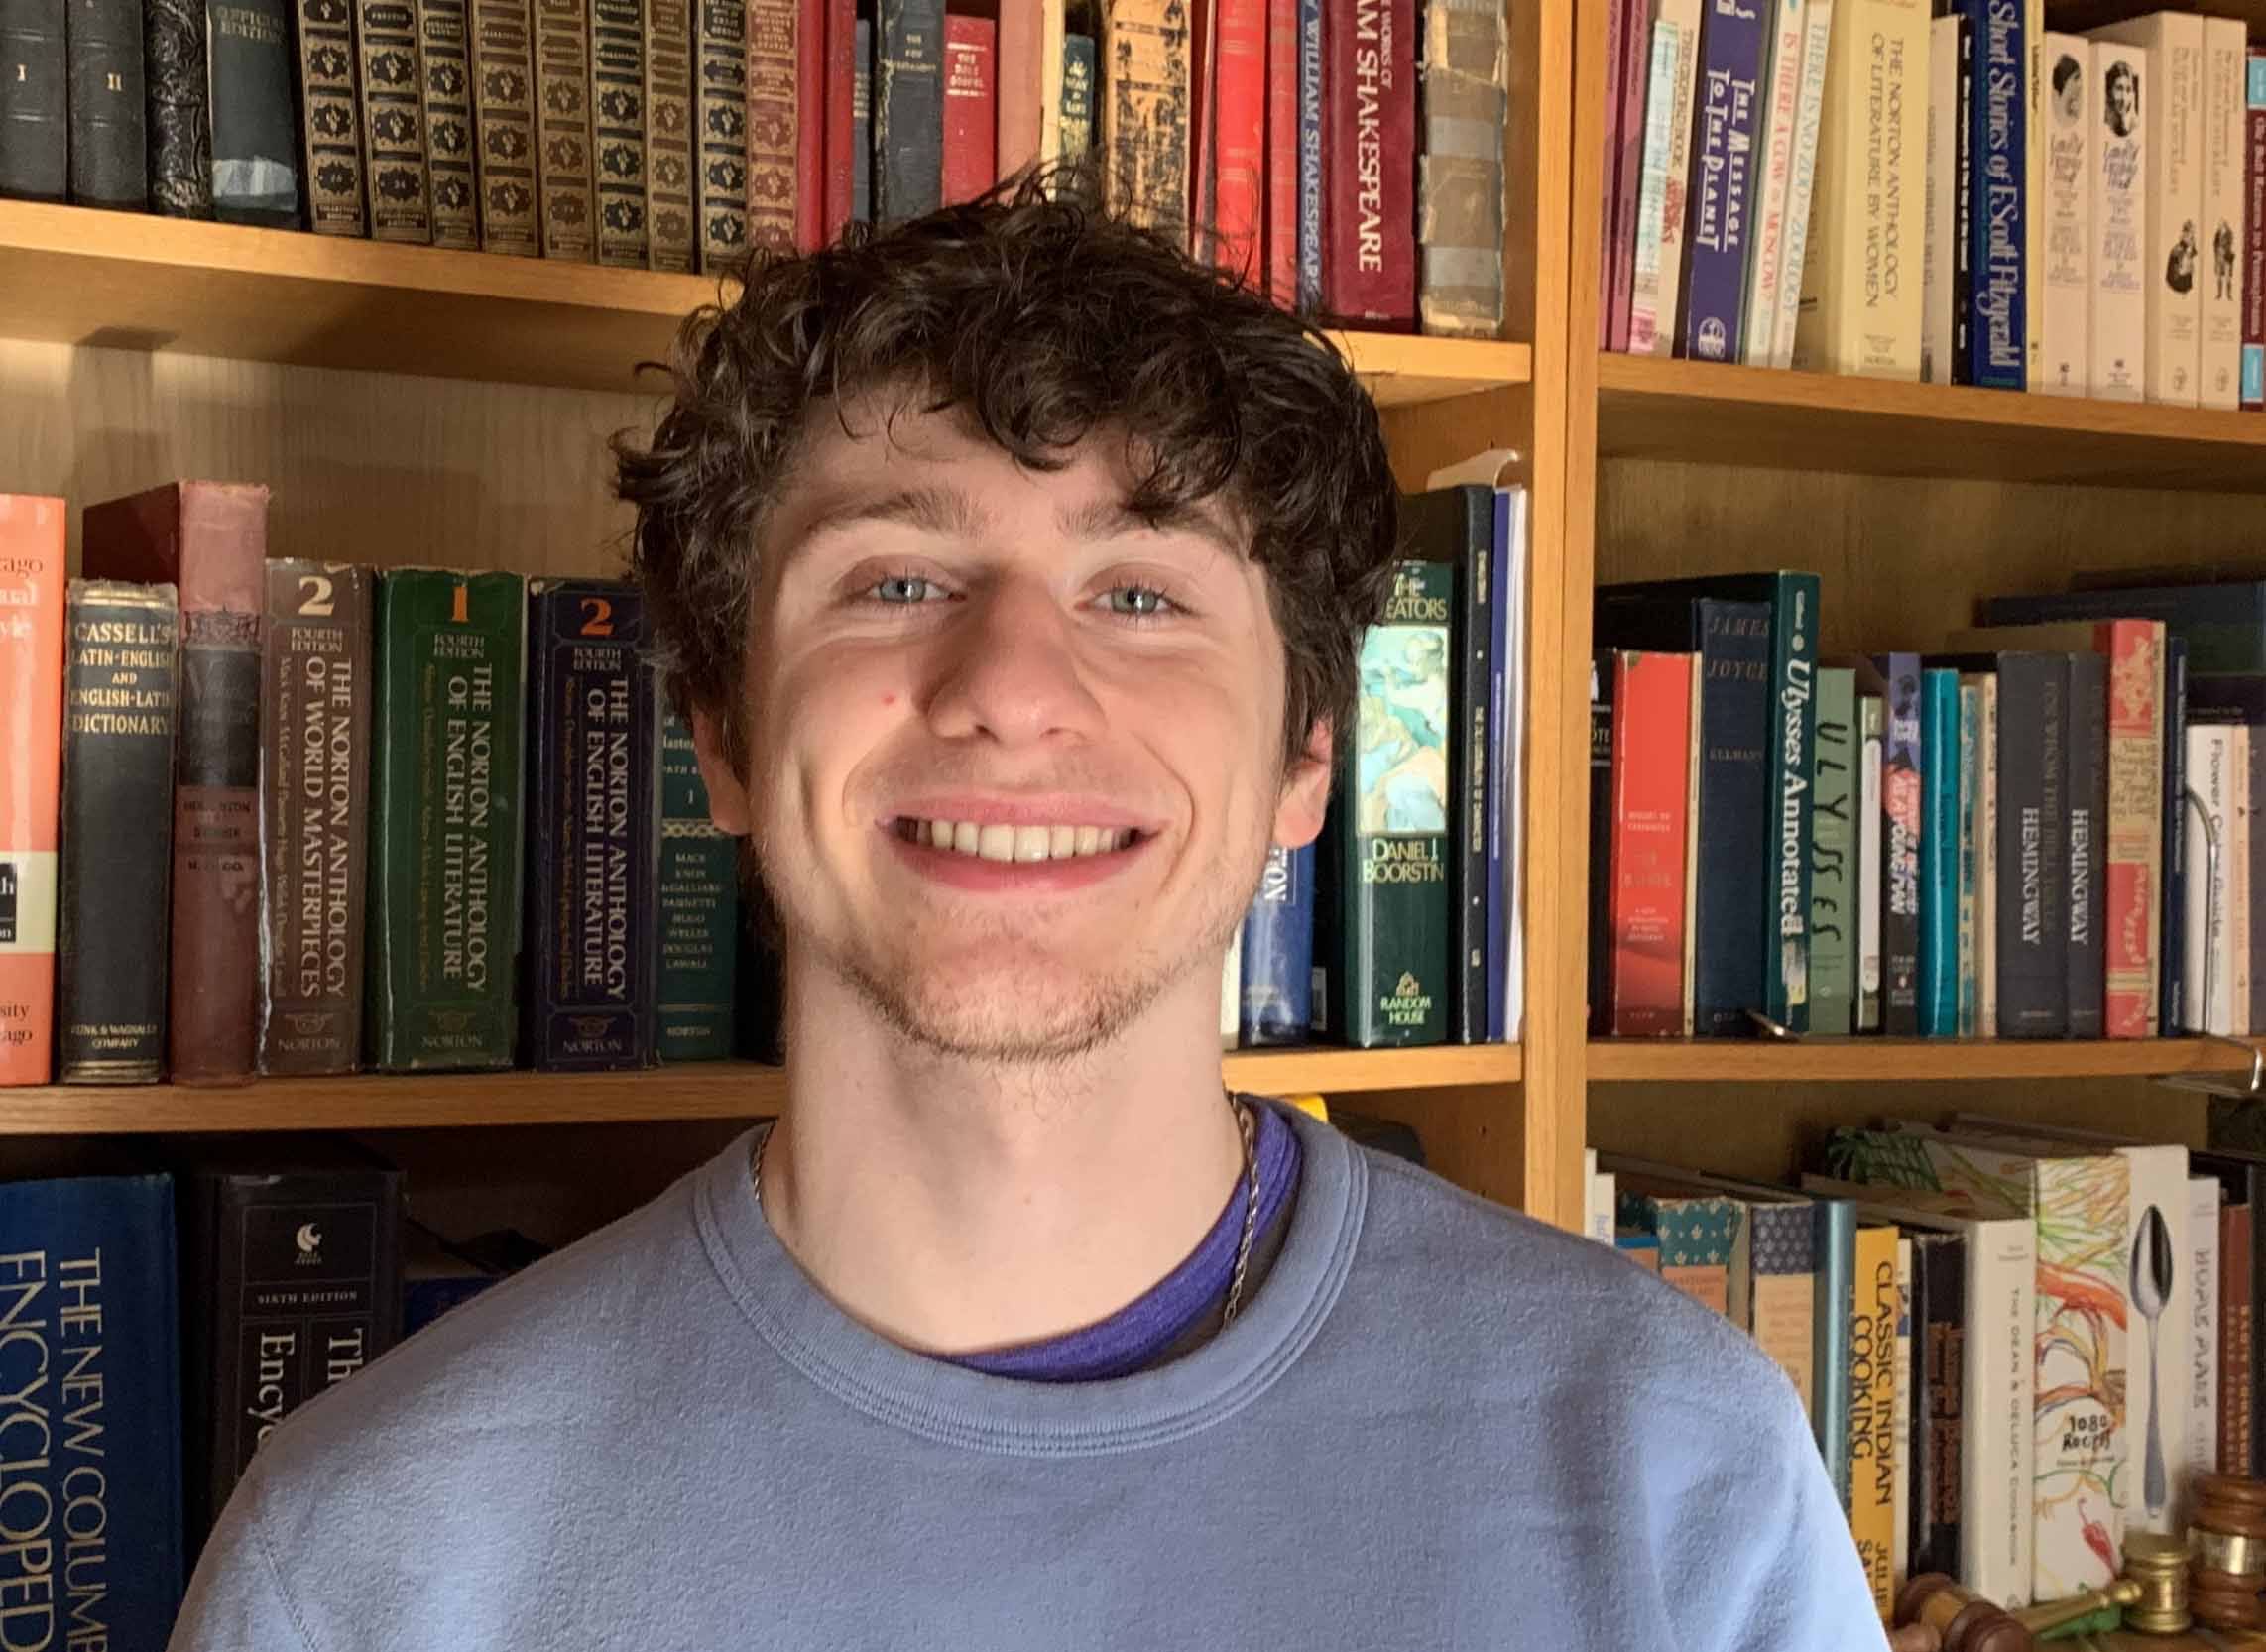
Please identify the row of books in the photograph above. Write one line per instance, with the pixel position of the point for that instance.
(2044, 832)
(1964, 198)
(1281, 139)
(2015, 1341)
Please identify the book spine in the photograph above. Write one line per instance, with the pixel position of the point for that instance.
(392, 121)
(2254, 231)
(772, 118)
(1668, 48)
(1733, 641)
(1239, 142)
(1599, 952)
(699, 910)
(1939, 1379)
(1075, 98)
(720, 98)
(1675, 193)
(1773, 163)
(1389, 967)
(1872, 730)
(331, 118)
(2253, 978)
(214, 1007)
(1625, 133)
(2218, 378)
(1279, 952)
(445, 48)
(2171, 945)
(121, 682)
(2034, 711)
(1792, 749)
(970, 106)
(1996, 1537)
(669, 235)
(618, 119)
(1833, 858)
(2087, 804)
(1782, 1297)
(1369, 271)
(1280, 170)
(1987, 861)
(1505, 794)
(909, 109)
(2200, 1367)
(315, 801)
(1996, 232)
(1459, 186)
(32, 580)
(1653, 720)
(1834, 1267)
(1903, 820)
(180, 122)
(2234, 1339)
(443, 898)
(253, 133)
(1964, 205)
(1716, 236)
(2207, 966)
(1872, 1410)
(1312, 177)
(810, 103)
(2171, 117)
(1939, 983)
(2065, 279)
(504, 116)
(108, 104)
(2079, 1206)
(2121, 83)
(1022, 88)
(2134, 652)
(34, 102)
(2033, 193)
(1967, 860)
(1467, 767)
(2235, 859)
(1942, 224)
(1619, 17)
(1802, 178)
(563, 121)
(587, 936)
(839, 114)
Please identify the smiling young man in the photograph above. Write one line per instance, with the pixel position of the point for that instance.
(1012, 570)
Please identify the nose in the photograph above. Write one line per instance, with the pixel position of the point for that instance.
(1010, 669)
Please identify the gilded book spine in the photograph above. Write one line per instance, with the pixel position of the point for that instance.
(1144, 113)
(174, 46)
(504, 88)
(562, 116)
(447, 71)
(618, 85)
(392, 122)
(699, 910)
(669, 135)
(1459, 183)
(721, 93)
(771, 125)
(331, 110)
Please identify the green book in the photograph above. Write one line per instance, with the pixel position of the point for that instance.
(444, 839)
(1383, 944)
(699, 909)
(1833, 857)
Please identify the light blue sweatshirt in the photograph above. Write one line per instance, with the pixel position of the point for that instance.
(1437, 1424)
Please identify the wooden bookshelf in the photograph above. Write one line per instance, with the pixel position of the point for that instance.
(701, 1090)
(1648, 408)
(78, 276)
(1902, 1060)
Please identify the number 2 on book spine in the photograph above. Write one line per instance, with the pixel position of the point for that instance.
(315, 596)
(597, 616)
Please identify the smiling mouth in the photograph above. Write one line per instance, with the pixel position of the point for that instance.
(1015, 843)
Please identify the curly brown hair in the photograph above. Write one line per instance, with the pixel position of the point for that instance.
(1045, 322)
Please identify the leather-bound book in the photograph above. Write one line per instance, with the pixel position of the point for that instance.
(909, 111)
(330, 119)
(120, 682)
(1368, 264)
(720, 96)
(35, 100)
(255, 129)
(562, 119)
(771, 123)
(392, 122)
(669, 135)
(971, 105)
(618, 109)
(446, 52)
(314, 794)
(1144, 113)
(503, 64)
(109, 158)
(1465, 94)
(208, 539)
(179, 124)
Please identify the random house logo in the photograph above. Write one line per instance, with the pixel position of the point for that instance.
(1408, 1003)
(310, 1242)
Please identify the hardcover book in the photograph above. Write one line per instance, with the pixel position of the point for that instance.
(720, 114)
(670, 238)
(1941, 199)
(1936, 1374)
(1903, 818)
(175, 66)
(592, 835)
(1022, 81)
(254, 132)
(2172, 256)
(1602, 675)
(1368, 270)
(444, 827)
(811, 67)
(2132, 915)
(2171, 945)
(1873, 1406)
(2033, 856)
(1785, 31)
(34, 102)
(2214, 773)
(1871, 737)
(2254, 231)
(2066, 281)
(1666, 179)
(1384, 949)
(330, 109)
(1312, 176)
(2237, 1361)
(1279, 952)
(1714, 258)
(1279, 171)
(209, 540)
(120, 704)
(1802, 178)
(2087, 843)
(1236, 112)
(699, 910)
(1465, 98)
(2220, 146)
(1078, 73)
(392, 121)
(1939, 847)
(445, 48)
(862, 114)
(2118, 338)
(562, 128)
(1968, 860)
(503, 60)
(908, 108)
(775, 123)
(314, 794)
(108, 149)
(32, 591)
(87, 1293)
(1833, 857)
(1986, 873)
(970, 106)
(1697, 1236)
(617, 114)
(1655, 699)
(1629, 41)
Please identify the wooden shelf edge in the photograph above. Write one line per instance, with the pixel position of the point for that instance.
(1900, 1060)
(699, 1090)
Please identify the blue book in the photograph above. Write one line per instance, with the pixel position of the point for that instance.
(909, 111)
(1724, 166)
(1995, 358)
(2172, 981)
(862, 125)
(1279, 952)
(87, 1282)
(1502, 760)
(1939, 853)
(1077, 113)
(1310, 178)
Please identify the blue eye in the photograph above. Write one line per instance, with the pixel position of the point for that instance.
(1138, 602)
(904, 589)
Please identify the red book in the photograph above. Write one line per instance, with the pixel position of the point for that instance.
(971, 105)
(1652, 708)
(1239, 143)
(32, 583)
(2234, 1266)
(2133, 911)
(2254, 239)
(839, 115)
(1283, 152)
(1635, 77)
(1369, 121)
(1609, 209)
(810, 129)
(1021, 93)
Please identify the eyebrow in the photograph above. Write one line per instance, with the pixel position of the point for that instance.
(1108, 519)
(944, 512)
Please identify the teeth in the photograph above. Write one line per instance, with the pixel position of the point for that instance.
(1017, 843)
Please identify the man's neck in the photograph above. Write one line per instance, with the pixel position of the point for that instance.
(954, 1206)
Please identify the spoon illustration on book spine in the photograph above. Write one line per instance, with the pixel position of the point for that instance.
(2152, 1284)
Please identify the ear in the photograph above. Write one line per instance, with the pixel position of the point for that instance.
(727, 796)
(1305, 791)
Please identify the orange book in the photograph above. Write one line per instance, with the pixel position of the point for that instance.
(2134, 915)
(32, 575)
(1237, 146)
(1653, 706)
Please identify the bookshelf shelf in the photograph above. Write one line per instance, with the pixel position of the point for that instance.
(79, 276)
(705, 1089)
(1710, 413)
(1900, 1060)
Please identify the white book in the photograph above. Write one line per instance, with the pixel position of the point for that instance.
(1676, 175)
(2220, 377)
(1053, 24)
(2173, 255)
(1941, 242)
(1801, 180)
(1996, 1391)
(2203, 1341)
(1232, 992)
(1900, 1434)
(1603, 1193)
(1869, 879)
(2066, 218)
(1668, 49)
(2207, 966)
(2122, 82)
(1986, 872)
(2033, 191)
(1781, 94)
